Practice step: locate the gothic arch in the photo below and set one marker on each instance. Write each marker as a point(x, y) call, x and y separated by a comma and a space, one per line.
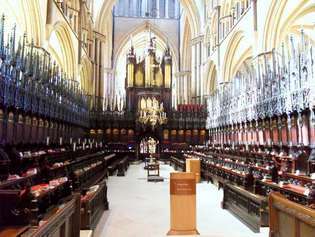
point(213, 29)
point(237, 49)
point(33, 18)
point(86, 75)
point(190, 8)
point(186, 48)
point(64, 53)
point(283, 21)
point(26, 15)
point(102, 15)
point(210, 78)
point(161, 40)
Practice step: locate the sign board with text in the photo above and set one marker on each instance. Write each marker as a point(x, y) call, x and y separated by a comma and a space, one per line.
point(183, 204)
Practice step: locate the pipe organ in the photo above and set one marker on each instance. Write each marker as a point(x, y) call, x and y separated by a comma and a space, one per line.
point(148, 77)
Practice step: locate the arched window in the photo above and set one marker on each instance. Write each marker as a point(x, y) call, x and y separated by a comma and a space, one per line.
point(162, 8)
point(130, 8)
point(147, 8)
point(121, 8)
point(144, 4)
point(153, 8)
point(139, 9)
point(171, 8)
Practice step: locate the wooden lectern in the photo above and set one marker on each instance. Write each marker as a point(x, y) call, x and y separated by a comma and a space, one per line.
point(183, 204)
point(193, 166)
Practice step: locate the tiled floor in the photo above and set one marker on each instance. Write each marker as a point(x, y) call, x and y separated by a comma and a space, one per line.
point(141, 209)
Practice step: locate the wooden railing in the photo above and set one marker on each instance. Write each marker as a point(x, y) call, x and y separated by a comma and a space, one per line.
point(92, 207)
point(289, 219)
point(178, 163)
point(251, 209)
point(63, 223)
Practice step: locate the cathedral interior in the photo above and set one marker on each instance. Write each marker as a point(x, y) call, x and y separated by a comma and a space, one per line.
point(122, 118)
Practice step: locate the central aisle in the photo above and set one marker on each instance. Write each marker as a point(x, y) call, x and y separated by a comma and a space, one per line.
point(141, 209)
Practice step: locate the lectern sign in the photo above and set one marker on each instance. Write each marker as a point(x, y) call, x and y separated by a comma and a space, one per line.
point(183, 194)
point(183, 187)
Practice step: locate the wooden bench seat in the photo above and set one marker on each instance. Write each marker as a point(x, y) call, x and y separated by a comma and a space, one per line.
point(249, 208)
point(92, 207)
point(178, 163)
point(113, 167)
point(122, 166)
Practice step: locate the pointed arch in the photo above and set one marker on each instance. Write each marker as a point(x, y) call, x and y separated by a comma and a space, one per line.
point(284, 18)
point(162, 38)
point(86, 82)
point(26, 16)
point(186, 48)
point(210, 77)
point(62, 49)
point(191, 10)
point(244, 57)
point(238, 48)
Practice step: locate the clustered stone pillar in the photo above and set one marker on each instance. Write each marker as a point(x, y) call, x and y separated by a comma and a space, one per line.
point(196, 88)
point(182, 87)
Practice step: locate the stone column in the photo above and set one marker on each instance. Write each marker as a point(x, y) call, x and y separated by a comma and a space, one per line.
point(100, 68)
point(188, 80)
point(96, 65)
point(197, 72)
point(185, 88)
point(201, 46)
point(193, 73)
point(177, 89)
point(196, 77)
point(182, 95)
point(254, 5)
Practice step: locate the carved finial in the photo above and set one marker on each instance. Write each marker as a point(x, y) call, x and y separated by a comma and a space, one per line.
point(23, 58)
point(292, 46)
point(2, 36)
point(12, 39)
point(37, 68)
point(303, 43)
